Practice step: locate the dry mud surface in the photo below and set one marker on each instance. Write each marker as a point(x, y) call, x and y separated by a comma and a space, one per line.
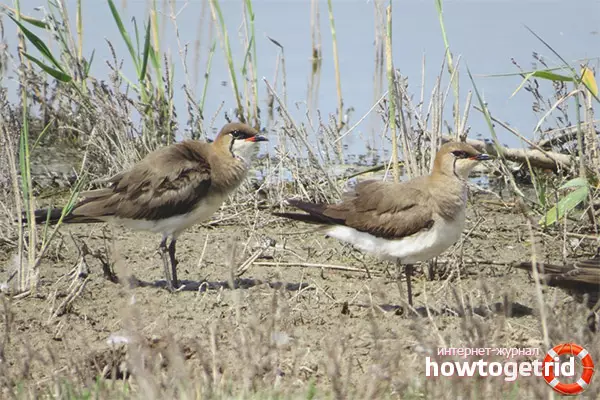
point(288, 328)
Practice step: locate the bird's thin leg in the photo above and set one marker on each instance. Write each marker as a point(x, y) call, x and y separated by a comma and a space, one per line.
point(408, 272)
point(408, 269)
point(165, 259)
point(173, 263)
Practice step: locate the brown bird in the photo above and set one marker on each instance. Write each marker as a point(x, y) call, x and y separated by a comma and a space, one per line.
point(170, 190)
point(579, 279)
point(407, 222)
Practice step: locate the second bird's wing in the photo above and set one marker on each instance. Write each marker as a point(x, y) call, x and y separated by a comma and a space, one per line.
point(386, 210)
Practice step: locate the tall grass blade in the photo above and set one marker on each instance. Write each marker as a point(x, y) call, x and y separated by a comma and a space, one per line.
point(217, 14)
point(392, 95)
point(565, 205)
point(211, 53)
point(497, 146)
point(61, 76)
point(509, 74)
point(88, 64)
point(573, 183)
point(544, 74)
point(567, 65)
point(41, 135)
point(451, 67)
point(552, 50)
point(39, 44)
point(124, 34)
point(145, 54)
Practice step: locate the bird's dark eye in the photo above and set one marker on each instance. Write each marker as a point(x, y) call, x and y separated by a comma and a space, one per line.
point(239, 134)
point(460, 154)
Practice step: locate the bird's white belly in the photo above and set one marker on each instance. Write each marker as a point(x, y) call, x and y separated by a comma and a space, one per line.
point(421, 246)
point(176, 224)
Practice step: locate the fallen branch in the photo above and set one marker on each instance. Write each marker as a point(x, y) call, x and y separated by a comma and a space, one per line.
point(443, 261)
point(537, 158)
point(310, 265)
point(561, 136)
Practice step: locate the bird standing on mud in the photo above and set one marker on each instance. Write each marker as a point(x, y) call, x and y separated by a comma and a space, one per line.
point(170, 190)
point(407, 222)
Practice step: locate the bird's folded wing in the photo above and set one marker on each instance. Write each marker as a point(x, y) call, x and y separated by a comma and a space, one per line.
point(587, 271)
point(160, 186)
point(391, 211)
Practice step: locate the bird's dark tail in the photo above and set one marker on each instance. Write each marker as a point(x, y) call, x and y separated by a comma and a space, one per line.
point(46, 215)
point(315, 213)
point(49, 215)
point(52, 216)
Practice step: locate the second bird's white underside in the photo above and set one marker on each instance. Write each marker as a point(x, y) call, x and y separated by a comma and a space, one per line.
point(173, 226)
point(421, 246)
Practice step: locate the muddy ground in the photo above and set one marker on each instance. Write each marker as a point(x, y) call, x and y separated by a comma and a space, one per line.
point(324, 331)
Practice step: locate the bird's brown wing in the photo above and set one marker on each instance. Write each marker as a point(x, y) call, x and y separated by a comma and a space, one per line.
point(166, 183)
point(386, 210)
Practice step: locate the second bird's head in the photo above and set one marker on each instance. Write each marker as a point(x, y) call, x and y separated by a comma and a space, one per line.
point(239, 140)
point(458, 159)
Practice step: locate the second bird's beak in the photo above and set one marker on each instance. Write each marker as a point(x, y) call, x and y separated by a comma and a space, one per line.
point(257, 138)
point(481, 157)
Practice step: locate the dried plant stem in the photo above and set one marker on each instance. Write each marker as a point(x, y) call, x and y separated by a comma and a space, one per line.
point(26, 276)
point(392, 95)
point(538, 287)
point(308, 265)
point(336, 63)
point(451, 68)
point(377, 102)
point(591, 138)
point(303, 139)
point(251, 38)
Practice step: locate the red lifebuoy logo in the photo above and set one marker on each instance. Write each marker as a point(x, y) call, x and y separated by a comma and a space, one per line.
point(586, 361)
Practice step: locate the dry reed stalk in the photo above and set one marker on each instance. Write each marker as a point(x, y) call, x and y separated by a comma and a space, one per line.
point(538, 288)
point(392, 92)
point(301, 135)
point(315, 57)
point(251, 59)
point(379, 15)
point(452, 69)
point(336, 65)
point(591, 138)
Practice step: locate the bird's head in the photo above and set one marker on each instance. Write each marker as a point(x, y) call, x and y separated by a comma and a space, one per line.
point(239, 141)
point(458, 159)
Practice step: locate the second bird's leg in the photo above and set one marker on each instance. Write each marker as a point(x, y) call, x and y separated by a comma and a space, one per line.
point(408, 269)
point(173, 263)
point(164, 252)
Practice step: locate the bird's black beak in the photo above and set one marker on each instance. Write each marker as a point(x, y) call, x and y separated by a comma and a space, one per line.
point(257, 138)
point(481, 157)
